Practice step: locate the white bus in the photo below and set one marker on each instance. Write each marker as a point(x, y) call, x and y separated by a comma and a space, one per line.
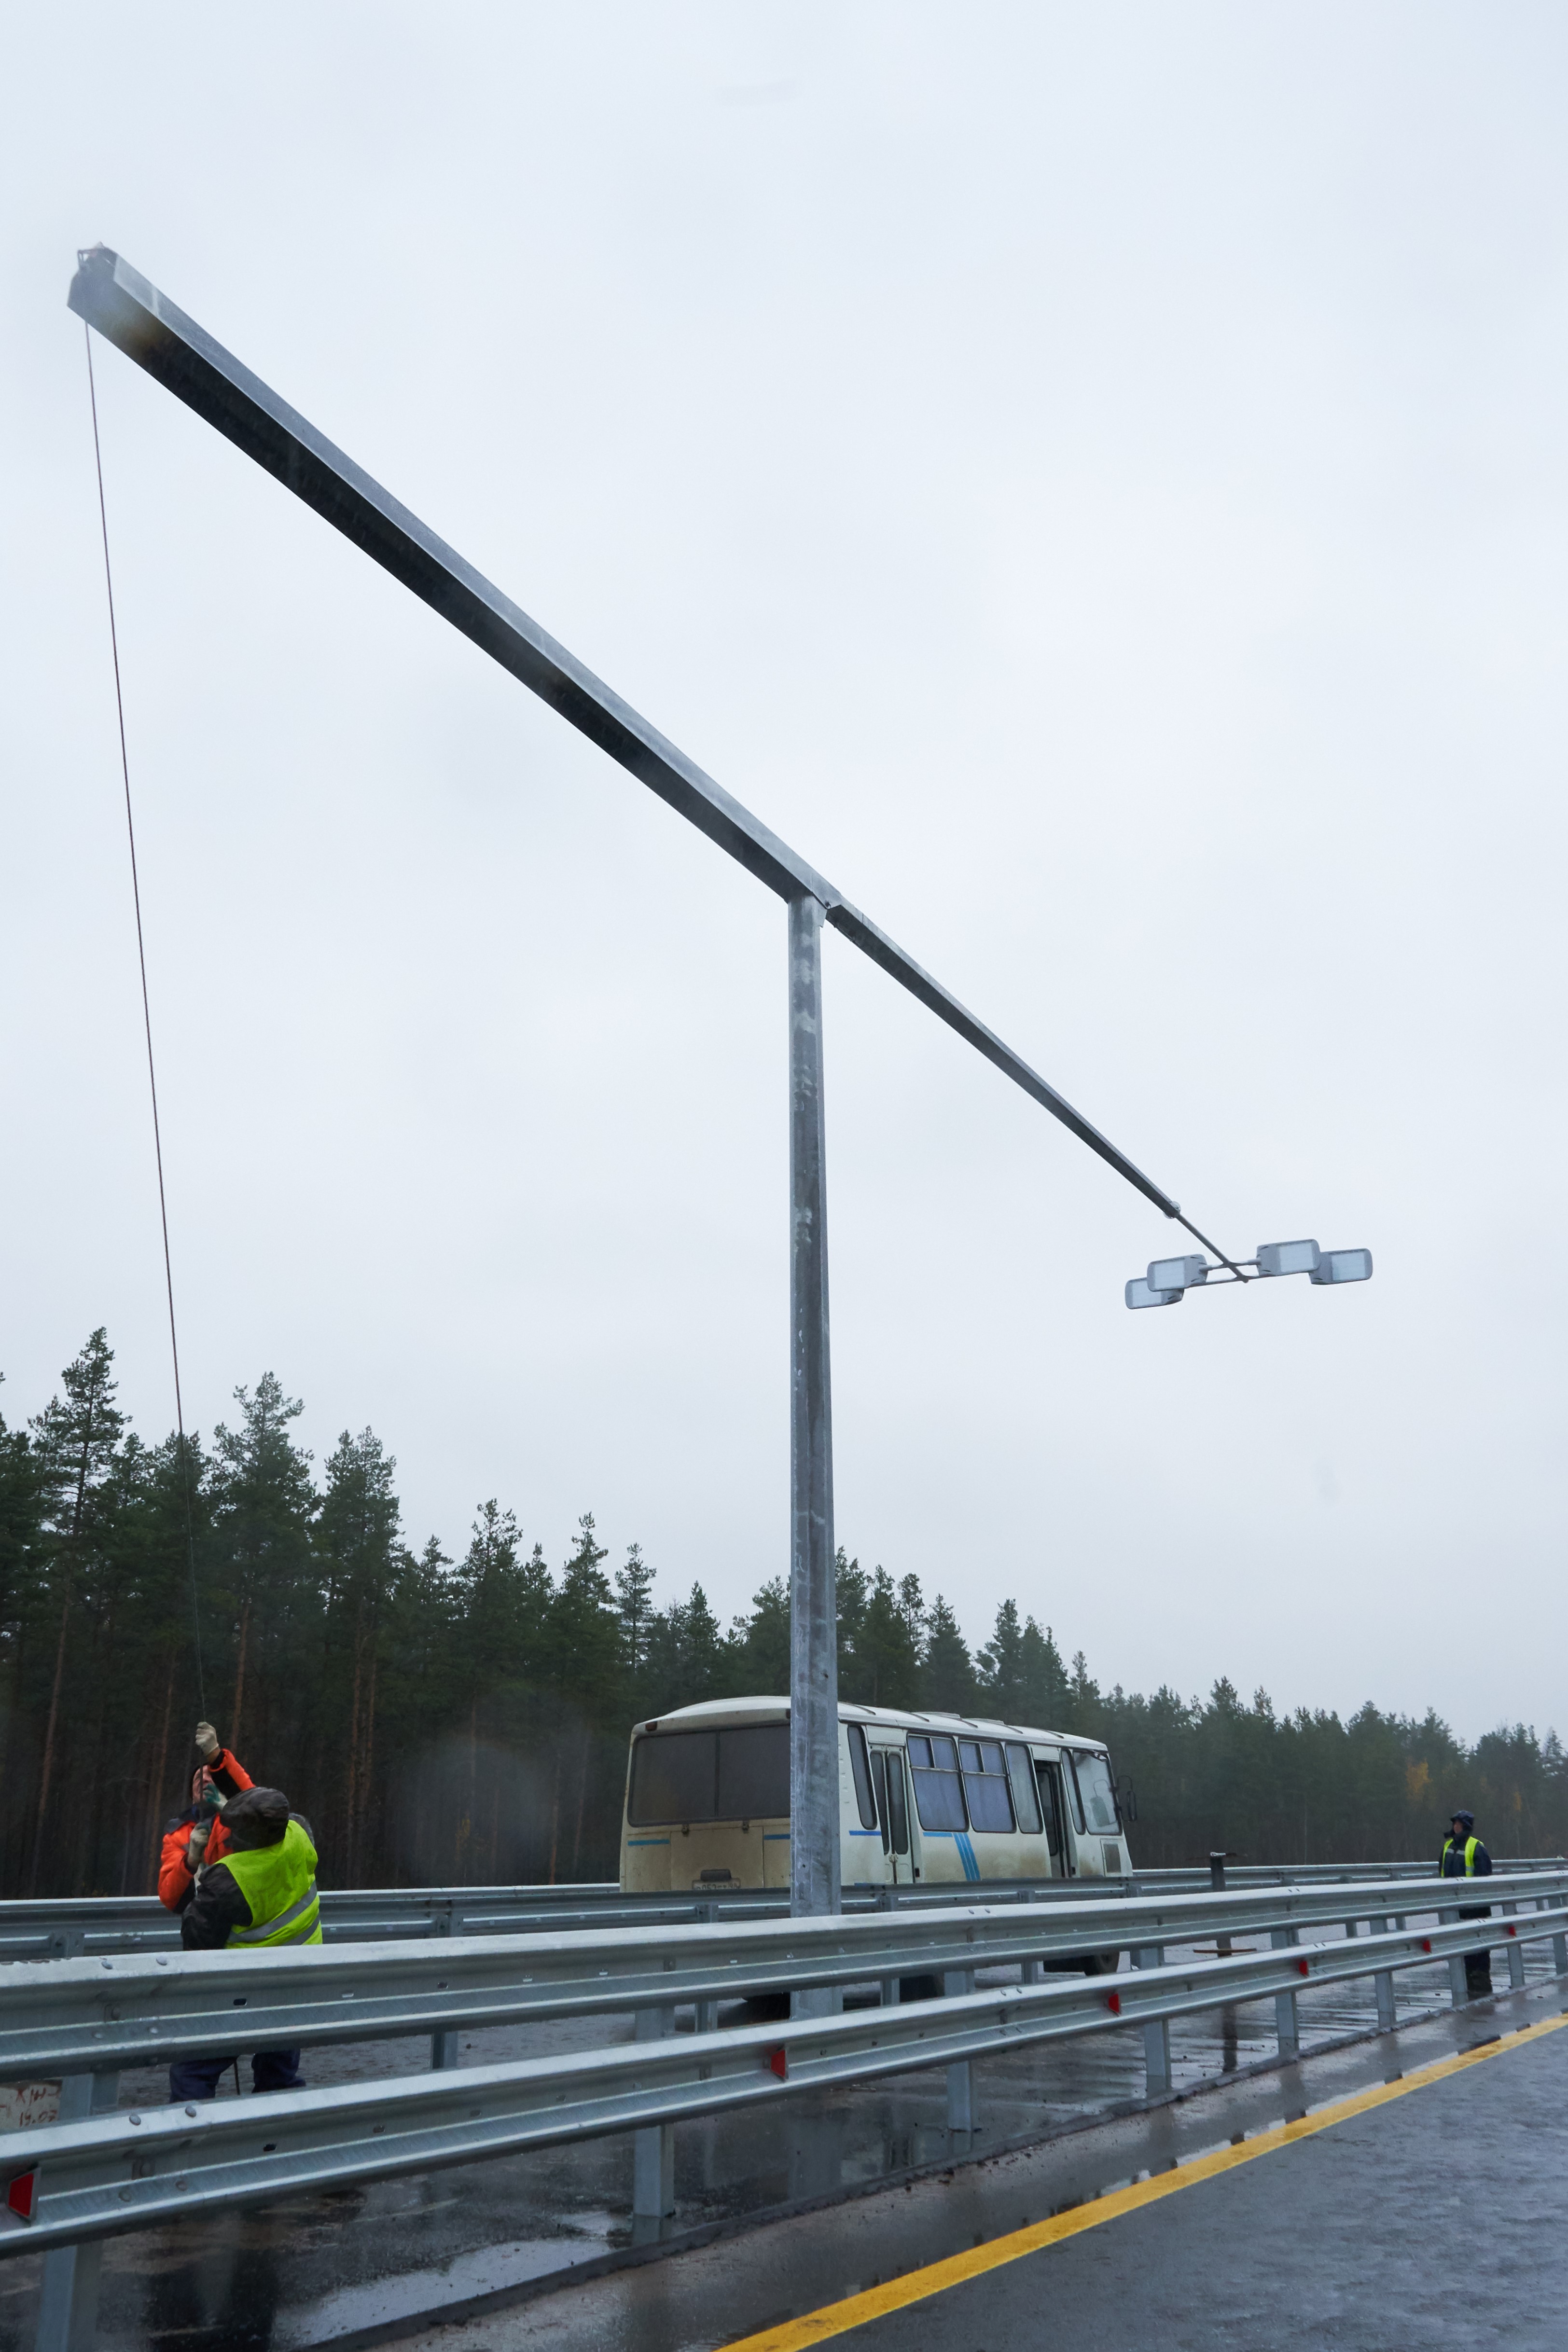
point(923, 1800)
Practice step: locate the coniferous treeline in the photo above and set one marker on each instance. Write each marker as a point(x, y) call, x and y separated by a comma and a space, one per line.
point(462, 1719)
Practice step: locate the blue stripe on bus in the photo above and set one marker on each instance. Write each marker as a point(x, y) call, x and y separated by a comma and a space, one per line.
point(966, 1854)
point(647, 1840)
point(865, 1833)
point(771, 1836)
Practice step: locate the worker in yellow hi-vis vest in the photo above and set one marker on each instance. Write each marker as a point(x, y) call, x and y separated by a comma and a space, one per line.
point(261, 1895)
point(1464, 1856)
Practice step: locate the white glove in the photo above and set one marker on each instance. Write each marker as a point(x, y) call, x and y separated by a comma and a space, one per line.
point(195, 1852)
point(207, 1742)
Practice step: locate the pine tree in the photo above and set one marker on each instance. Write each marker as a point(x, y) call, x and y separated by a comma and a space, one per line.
point(759, 1643)
point(633, 1599)
point(1043, 1678)
point(999, 1667)
point(357, 1534)
point(949, 1671)
point(585, 1659)
point(851, 1582)
point(265, 1509)
point(883, 1664)
point(77, 1442)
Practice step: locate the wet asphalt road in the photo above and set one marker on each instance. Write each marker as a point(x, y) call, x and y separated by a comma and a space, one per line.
point(1440, 2218)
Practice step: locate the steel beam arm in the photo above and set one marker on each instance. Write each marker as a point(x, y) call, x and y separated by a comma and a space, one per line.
point(131, 313)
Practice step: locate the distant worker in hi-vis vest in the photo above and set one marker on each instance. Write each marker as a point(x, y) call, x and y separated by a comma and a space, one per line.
point(1464, 1856)
point(261, 1895)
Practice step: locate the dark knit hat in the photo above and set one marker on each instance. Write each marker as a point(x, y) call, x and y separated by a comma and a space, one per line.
point(257, 1817)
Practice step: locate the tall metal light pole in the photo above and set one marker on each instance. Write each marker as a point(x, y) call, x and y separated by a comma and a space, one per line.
point(814, 1866)
point(142, 322)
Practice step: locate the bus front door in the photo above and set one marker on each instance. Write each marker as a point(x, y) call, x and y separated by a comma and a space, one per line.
point(892, 1787)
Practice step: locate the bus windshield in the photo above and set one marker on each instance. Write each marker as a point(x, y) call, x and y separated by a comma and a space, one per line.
point(1095, 1786)
point(740, 1774)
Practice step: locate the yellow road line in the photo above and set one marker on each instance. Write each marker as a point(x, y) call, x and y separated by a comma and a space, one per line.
point(915, 2286)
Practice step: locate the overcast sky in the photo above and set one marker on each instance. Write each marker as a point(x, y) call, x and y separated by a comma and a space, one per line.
point(1094, 481)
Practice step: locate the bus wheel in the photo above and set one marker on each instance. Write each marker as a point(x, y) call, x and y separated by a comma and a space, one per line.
point(1101, 1964)
point(766, 2007)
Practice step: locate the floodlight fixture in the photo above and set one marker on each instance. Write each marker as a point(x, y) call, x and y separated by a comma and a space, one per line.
point(1342, 1266)
point(1178, 1273)
point(1288, 1257)
point(1169, 1279)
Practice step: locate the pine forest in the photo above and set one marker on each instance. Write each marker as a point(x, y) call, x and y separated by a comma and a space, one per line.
point(461, 1716)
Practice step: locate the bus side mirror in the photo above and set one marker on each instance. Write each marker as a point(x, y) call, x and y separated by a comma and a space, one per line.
point(1127, 1800)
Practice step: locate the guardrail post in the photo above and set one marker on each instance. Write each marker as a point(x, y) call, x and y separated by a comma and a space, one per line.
point(653, 2147)
point(1515, 1952)
point(68, 2305)
point(447, 1921)
point(888, 1900)
point(1030, 1971)
point(1216, 1886)
point(1458, 1984)
point(1156, 2030)
point(707, 2010)
point(1559, 1943)
point(960, 2077)
point(1287, 2023)
point(1383, 1982)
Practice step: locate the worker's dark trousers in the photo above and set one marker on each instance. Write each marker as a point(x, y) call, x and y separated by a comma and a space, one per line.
point(271, 2070)
point(1478, 1964)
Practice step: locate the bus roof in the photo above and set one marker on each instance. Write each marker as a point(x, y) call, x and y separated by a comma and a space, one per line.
point(764, 1710)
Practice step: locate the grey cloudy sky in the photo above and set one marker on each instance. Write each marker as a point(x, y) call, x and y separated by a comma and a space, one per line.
point(1092, 480)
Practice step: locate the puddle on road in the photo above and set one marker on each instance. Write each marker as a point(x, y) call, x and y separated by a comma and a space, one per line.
point(482, 2271)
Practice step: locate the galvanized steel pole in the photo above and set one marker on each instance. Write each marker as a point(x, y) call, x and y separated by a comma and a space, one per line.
point(815, 1882)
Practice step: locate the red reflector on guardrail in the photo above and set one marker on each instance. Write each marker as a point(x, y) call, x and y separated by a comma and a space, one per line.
point(1301, 1969)
point(1113, 2004)
point(1511, 1931)
point(22, 2194)
point(779, 2061)
point(1425, 1943)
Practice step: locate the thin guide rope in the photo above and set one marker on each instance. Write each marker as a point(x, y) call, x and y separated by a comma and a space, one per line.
point(147, 1026)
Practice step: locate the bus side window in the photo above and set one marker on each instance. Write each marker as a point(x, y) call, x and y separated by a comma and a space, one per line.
point(938, 1791)
point(897, 1809)
point(1074, 1799)
point(986, 1784)
point(1050, 1805)
point(862, 1772)
point(880, 1784)
point(1026, 1798)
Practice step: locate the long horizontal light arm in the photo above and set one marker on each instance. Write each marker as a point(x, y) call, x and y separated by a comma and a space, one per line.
point(148, 327)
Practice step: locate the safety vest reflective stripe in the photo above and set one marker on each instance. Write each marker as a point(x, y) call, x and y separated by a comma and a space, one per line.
point(292, 1926)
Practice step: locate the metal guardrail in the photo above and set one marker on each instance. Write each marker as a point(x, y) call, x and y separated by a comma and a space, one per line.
point(98, 1924)
point(72, 2017)
point(90, 2179)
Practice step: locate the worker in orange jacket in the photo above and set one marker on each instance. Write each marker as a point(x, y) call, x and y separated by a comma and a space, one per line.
point(197, 1835)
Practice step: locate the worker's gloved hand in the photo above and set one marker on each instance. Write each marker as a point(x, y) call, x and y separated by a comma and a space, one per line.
point(208, 1744)
point(195, 1852)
